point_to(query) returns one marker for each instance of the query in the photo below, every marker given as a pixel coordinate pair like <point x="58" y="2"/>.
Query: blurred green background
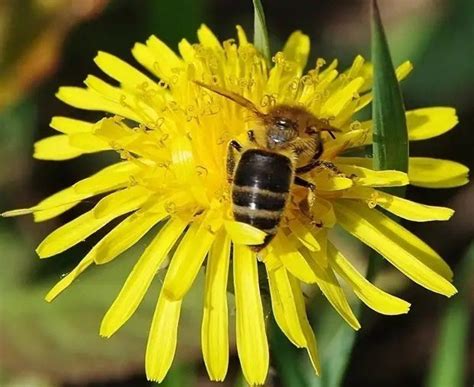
<point x="48" y="43"/>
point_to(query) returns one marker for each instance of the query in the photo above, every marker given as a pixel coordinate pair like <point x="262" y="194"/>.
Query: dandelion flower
<point x="172" y="135"/>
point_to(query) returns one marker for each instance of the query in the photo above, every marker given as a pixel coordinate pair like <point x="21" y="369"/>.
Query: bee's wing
<point x="237" y="98"/>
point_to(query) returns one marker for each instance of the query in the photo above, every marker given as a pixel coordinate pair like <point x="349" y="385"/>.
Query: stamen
<point x="170" y="207"/>
<point x="355" y="125"/>
<point x="372" y="201"/>
<point x="307" y="80"/>
<point x="201" y="171"/>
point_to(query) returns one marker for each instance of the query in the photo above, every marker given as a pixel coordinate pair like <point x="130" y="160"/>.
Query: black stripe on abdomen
<point x="264" y="170"/>
<point x="253" y="197"/>
<point x="252" y="217"/>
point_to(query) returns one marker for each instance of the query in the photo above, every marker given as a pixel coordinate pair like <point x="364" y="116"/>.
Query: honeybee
<point x="285" y="143"/>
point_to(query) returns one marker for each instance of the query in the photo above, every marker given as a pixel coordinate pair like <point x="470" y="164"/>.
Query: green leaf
<point x="390" y="139"/>
<point x="450" y="359"/>
<point x="260" y="38"/>
<point x="286" y="356"/>
<point x="390" y="148"/>
<point x="180" y="375"/>
<point x="61" y="341"/>
<point x="335" y="342"/>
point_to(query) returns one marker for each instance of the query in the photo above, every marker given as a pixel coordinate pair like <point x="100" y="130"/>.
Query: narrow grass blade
<point x="450" y="359"/>
<point x="390" y="146"/>
<point x="260" y="38"/>
<point x="390" y="135"/>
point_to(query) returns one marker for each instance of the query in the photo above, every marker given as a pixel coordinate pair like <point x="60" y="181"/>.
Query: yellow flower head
<point x="172" y="136"/>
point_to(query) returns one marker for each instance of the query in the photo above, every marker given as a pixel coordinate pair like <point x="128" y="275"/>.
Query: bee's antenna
<point x="331" y="130"/>
<point x="331" y="133"/>
<point x="237" y="98"/>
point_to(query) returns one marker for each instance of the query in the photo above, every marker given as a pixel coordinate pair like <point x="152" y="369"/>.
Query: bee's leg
<point x="313" y="163"/>
<point x="311" y="189"/>
<point x="321" y="164"/>
<point x="231" y="148"/>
<point x="304" y="183"/>
<point x="306" y="205"/>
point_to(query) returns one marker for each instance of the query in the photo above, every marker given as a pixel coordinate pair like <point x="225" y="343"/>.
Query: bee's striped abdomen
<point x="261" y="188"/>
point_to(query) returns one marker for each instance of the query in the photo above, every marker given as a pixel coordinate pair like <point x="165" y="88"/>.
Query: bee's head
<point x="281" y="131"/>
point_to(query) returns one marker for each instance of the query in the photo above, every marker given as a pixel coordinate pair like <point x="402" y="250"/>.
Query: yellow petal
<point x="113" y="129"/>
<point x="356" y="67"/>
<point x="112" y="177"/>
<point x="68" y="125"/>
<point x="65" y="147"/>
<point x="107" y="179"/>
<point x="311" y="345"/>
<point x="326" y="181"/>
<point x="215" y="325"/>
<point x="68" y="280"/>
<point x="331" y="288"/>
<point x="252" y="344"/>
<point x="338" y="100"/>
<point x="189" y="256"/>
<point x="90" y="100"/>
<point x="271" y="261"/>
<point x="421" y="123"/>
<point x="372" y="296"/>
<point x="124" y="235"/>
<point x="303" y="234"/>
<point x="207" y="38"/>
<point x="403" y="249"/>
<point x="88" y="142"/>
<point x="56" y="148"/>
<point x="430" y="122"/>
<point x="403" y="70"/>
<point x="322" y="238"/>
<point x="284" y="307"/>
<point x="119" y="199"/>
<point x="136" y="104"/>
<point x="424" y="171"/>
<point x="121" y="71"/>
<point x="241" y="36"/>
<point x="372" y="178"/>
<point x="141" y="276"/>
<point x="185" y="168"/>
<point x="401" y="207"/>
<point x="322" y="210"/>
<point x="413" y="211"/>
<point x="162" y="340"/>
<point x="187" y="51"/>
<point x="166" y="61"/>
<point x="146" y="58"/>
<point x="292" y="259"/>
<point x="81" y="227"/>
<point x="297" y="49"/>
<point x="401" y="73"/>
<point x="436" y="173"/>
<point x="244" y="234"/>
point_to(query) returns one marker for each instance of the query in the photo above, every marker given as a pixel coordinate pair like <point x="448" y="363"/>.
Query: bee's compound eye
<point x="284" y="124"/>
